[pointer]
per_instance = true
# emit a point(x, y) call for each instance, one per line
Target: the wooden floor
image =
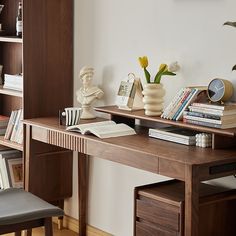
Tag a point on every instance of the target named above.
point(40, 232)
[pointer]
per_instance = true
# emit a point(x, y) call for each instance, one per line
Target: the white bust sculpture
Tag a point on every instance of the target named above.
point(88, 93)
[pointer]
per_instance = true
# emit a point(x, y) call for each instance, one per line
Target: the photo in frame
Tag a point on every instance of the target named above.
point(15, 172)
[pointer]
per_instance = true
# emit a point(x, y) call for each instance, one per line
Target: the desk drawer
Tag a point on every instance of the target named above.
point(158, 213)
point(146, 229)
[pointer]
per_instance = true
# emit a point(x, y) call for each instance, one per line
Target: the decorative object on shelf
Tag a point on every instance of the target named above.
point(153, 99)
point(233, 24)
point(220, 90)
point(19, 21)
point(203, 140)
point(153, 90)
point(1, 80)
point(1, 7)
point(129, 95)
point(71, 115)
point(88, 93)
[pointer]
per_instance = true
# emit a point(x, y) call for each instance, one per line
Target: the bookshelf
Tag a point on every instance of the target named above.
point(45, 56)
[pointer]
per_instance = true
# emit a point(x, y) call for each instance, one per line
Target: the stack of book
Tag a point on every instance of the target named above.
point(186, 96)
point(14, 82)
point(14, 131)
point(212, 115)
point(3, 124)
point(174, 134)
point(11, 169)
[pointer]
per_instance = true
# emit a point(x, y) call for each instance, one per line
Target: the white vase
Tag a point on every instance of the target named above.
point(153, 99)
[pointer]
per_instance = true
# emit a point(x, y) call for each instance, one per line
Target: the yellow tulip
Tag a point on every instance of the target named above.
point(143, 61)
point(163, 67)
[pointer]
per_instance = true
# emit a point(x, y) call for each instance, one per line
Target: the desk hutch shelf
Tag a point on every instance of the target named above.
point(221, 138)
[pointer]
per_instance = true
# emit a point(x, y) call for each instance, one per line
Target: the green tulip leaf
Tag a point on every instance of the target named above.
point(147, 75)
point(168, 73)
point(230, 23)
point(234, 67)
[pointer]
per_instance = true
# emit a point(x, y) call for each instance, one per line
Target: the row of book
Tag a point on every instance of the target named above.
point(11, 168)
point(14, 82)
point(211, 115)
point(185, 96)
point(14, 131)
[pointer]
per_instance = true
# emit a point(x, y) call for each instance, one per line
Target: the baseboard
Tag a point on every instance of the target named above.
point(73, 225)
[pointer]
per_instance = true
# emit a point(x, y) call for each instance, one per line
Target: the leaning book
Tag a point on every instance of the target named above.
point(103, 129)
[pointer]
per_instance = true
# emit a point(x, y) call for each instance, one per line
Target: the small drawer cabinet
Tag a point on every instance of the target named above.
point(159, 210)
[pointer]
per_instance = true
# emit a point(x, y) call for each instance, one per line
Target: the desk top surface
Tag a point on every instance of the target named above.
point(142, 144)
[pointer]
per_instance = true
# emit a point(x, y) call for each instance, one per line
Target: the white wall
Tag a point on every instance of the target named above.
point(110, 35)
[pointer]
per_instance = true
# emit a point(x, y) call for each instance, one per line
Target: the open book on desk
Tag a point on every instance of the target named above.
point(103, 129)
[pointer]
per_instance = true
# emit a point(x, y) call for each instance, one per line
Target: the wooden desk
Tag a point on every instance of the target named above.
point(186, 163)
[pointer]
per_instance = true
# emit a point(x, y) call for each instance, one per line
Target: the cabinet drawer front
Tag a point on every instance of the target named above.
point(144, 229)
point(159, 213)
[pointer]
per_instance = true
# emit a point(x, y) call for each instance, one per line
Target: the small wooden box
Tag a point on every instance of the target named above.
point(159, 210)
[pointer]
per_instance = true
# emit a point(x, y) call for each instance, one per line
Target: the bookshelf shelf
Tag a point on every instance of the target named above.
point(10, 144)
point(10, 39)
point(10, 92)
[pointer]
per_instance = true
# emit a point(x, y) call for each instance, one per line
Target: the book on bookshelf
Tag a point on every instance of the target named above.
point(231, 121)
point(230, 106)
point(11, 168)
point(186, 96)
point(210, 116)
point(211, 111)
point(210, 124)
point(174, 134)
point(14, 131)
point(103, 129)
point(14, 82)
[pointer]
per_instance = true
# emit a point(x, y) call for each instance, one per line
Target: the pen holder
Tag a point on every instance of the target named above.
point(70, 116)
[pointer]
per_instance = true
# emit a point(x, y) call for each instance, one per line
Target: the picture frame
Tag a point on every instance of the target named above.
point(15, 172)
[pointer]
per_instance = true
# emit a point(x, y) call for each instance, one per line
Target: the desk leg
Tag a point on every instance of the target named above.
point(191, 201)
point(82, 191)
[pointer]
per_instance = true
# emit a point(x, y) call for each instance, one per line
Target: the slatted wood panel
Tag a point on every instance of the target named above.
point(67, 141)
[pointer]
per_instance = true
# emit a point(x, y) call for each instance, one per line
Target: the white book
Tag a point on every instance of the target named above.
point(175, 132)
point(103, 129)
point(16, 125)
point(174, 139)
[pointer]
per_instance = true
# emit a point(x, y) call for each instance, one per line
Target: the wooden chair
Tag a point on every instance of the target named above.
point(21, 210)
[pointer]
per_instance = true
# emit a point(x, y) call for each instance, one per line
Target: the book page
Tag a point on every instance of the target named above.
point(82, 127)
point(112, 130)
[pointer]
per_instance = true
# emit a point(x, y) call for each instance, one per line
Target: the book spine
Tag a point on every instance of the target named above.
point(187, 101)
point(173, 139)
point(202, 123)
point(203, 115)
point(154, 132)
point(172, 103)
point(215, 107)
point(219, 122)
point(206, 110)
